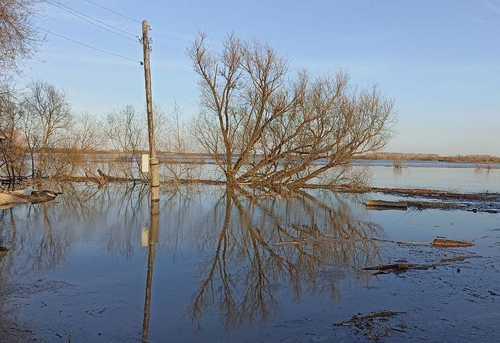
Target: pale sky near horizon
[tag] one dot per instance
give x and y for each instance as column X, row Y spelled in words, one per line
column 438, row 60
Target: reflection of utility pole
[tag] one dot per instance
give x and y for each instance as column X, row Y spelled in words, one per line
column 154, row 167
column 153, row 237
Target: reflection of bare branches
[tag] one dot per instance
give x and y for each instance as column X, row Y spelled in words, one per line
column 124, row 201
column 52, row 247
column 49, row 230
column 265, row 242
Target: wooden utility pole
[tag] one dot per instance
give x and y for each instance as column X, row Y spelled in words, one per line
column 154, row 166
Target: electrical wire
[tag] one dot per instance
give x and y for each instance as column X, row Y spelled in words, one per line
column 91, row 46
column 113, row 11
column 94, row 21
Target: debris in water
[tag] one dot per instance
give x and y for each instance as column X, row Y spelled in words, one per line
column 374, row 325
column 397, row 268
column 448, row 243
column 381, row 204
column 423, row 205
column 438, row 242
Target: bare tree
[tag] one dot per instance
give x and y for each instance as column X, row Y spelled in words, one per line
column 85, row 134
column 47, row 115
column 17, row 36
column 11, row 144
column 265, row 129
column 125, row 132
column 31, row 130
column 47, row 104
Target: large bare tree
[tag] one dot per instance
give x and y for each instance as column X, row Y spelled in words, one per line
column 17, row 36
column 267, row 129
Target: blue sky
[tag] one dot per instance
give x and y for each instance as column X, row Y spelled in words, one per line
column 438, row 60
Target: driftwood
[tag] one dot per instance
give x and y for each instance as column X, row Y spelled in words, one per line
column 422, row 205
column 391, row 205
column 375, row 325
column 398, row 268
column 411, row 192
column 437, row 194
column 448, row 243
column 436, row 243
column 374, row 315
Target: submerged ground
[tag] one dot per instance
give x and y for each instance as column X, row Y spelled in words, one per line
column 220, row 265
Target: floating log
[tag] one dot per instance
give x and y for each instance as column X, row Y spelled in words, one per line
column 381, row 204
column 409, row 192
column 423, row 205
column 392, row 268
column 436, row 243
column 448, row 243
column 397, row 268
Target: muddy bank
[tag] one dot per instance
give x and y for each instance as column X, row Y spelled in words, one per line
column 9, row 199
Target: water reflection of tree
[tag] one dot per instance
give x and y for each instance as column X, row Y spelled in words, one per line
column 46, row 232
column 9, row 325
column 267, row 241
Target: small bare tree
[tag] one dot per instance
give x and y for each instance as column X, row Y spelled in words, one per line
column 125, row 133
column 268, row 130
column 124, row 130
column 11, row 143
column 47, row 116
column 80, row 140
column 85, row 134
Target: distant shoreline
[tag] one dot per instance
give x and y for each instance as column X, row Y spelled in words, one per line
column 486, row 159
column 477, row 159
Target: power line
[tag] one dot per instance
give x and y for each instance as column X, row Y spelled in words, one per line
column 91, row 46
column 94, row 21
column 113, row 11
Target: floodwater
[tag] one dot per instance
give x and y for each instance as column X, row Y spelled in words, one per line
column 209, row 264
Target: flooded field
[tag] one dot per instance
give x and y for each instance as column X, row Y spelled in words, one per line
column 210, row 264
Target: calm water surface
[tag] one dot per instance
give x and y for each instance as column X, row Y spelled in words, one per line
column 214, row 265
